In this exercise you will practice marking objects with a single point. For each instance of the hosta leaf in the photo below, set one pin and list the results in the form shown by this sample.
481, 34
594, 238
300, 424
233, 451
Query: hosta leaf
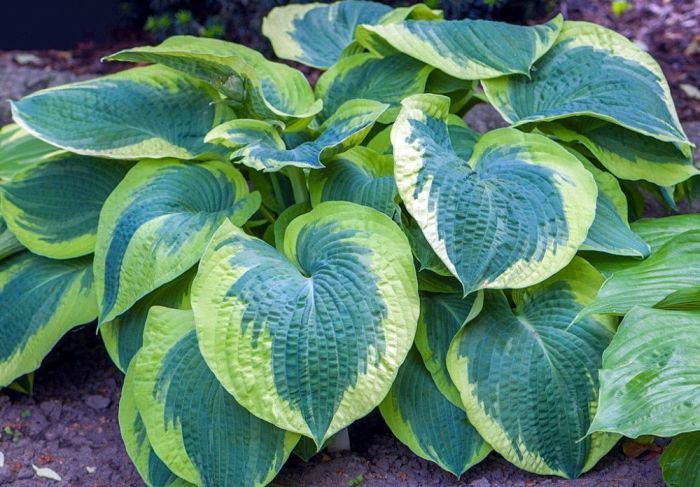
435, 283
627, 154
197, 428
422, 251
258, 145
19, 150
123, 336
151, 468
658, 231
465, 49
243, 74
40, 299
8, 242
315, 34
595, 72
285, 218
359, 175
425, 421
387, 80
169, 114
528, 376
650, 379
685, 299
610, 231
441, 317
511, 216
311, 339
672, 267
680, 460
463, 138
53, 207
155, 226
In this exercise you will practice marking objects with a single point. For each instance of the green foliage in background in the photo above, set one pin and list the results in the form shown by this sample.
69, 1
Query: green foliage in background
269, 262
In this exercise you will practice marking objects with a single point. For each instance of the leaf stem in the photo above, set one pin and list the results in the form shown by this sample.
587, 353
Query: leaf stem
298, 180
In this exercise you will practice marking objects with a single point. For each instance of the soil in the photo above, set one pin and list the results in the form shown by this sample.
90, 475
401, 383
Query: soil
70, 424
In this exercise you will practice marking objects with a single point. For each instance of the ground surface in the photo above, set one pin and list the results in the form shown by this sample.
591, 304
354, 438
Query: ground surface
70, 424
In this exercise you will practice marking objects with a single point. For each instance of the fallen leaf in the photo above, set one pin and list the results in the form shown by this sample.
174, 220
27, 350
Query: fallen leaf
691, 91
46, 473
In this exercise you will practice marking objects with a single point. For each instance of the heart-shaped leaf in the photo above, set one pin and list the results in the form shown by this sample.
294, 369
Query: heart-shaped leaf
311, 339
41, 299
426, 422
258, 145
650, 378
359, 175
511, 216
157, 222
197, 428
53, 207
169, 114
268, 89
528, 375
464, 49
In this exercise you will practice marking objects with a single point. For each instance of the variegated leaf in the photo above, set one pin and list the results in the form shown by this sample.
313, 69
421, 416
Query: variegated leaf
512, 215
169, 114
258, 145
197, 428
319, 35
19, 150
268, 90
41, 299
610, 232
430, 425
387, 80
157, 222
151, 468
123, 336
359, 175
464, 49
528, 375
594, 72
441, 317
309, 339
53, 207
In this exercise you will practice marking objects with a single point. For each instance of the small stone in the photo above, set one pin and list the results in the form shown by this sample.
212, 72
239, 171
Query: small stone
91, 469
97, 402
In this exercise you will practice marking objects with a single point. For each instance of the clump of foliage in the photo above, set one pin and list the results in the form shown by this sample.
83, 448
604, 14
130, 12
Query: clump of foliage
269, 262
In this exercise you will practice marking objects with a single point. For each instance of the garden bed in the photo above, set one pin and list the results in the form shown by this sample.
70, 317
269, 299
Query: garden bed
70, 423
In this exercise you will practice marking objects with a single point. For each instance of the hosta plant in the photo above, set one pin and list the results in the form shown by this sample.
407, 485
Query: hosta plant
269, 262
